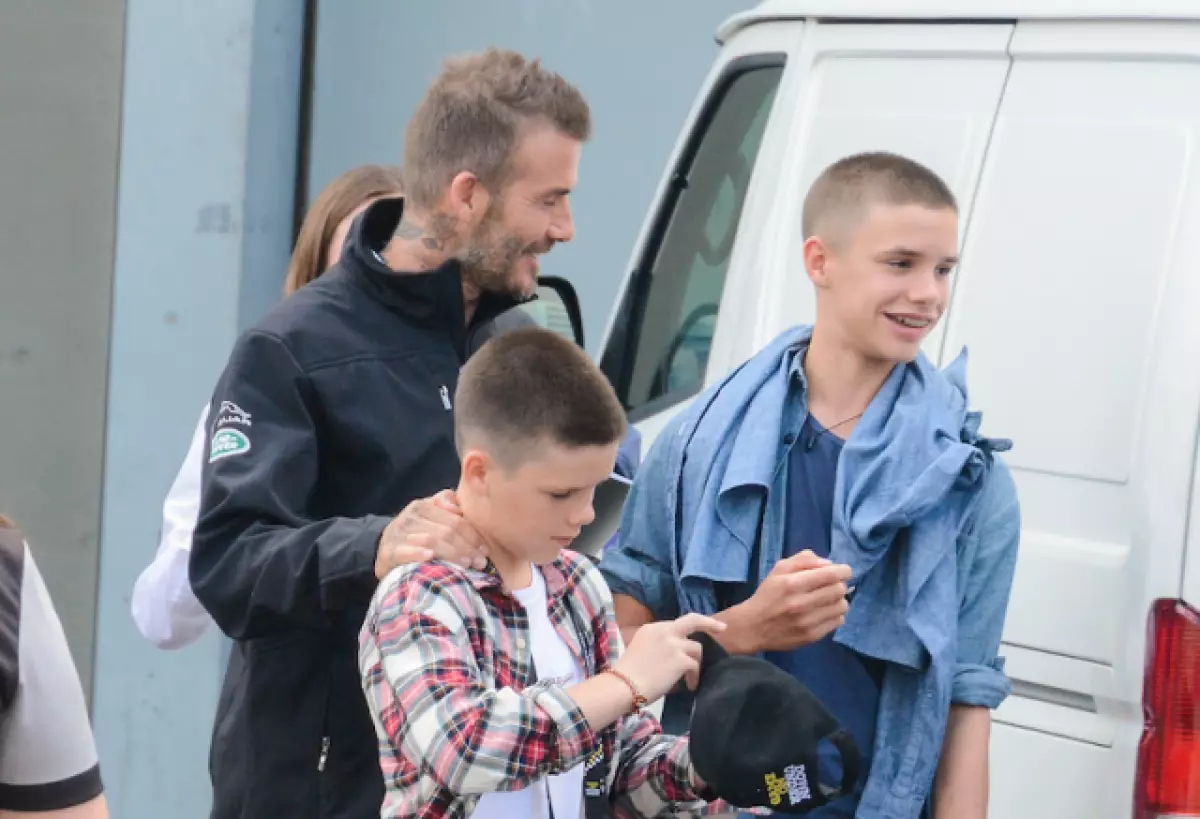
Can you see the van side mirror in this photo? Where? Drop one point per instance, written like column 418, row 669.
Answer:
column 555, row 307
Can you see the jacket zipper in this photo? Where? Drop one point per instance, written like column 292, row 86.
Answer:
column 324, row 755
column 323, row 759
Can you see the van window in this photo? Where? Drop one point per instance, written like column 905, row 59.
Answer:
column 658, row 352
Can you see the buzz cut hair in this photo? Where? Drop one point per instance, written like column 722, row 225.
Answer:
column 474, row 113
column 849, row 186
column 529, row 387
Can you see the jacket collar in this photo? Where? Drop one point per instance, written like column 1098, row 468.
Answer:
column 433, row 298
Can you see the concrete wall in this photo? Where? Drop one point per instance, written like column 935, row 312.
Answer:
column 60, row 91
column 208, row 160
column 640, row 65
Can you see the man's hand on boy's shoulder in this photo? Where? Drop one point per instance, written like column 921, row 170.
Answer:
column 429, row 529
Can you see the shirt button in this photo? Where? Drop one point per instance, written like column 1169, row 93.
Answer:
column 788, row 439
column 521, row 643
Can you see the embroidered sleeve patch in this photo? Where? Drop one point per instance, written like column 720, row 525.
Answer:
column 227, row 439
column 227, row 443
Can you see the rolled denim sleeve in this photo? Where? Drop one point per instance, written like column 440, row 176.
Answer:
column 990, row 552
column 639, row 563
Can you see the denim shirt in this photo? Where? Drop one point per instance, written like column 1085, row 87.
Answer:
column 924, row 513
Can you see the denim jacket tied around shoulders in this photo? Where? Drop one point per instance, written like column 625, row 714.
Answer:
column 925, row 514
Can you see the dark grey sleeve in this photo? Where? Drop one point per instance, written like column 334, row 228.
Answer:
column 47, row 752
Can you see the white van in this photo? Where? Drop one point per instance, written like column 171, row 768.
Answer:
column 1070, row 133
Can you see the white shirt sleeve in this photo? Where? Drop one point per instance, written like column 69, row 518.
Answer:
column 47, row 754
column 166, row 611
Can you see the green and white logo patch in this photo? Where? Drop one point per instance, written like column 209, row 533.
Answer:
column 226, row 443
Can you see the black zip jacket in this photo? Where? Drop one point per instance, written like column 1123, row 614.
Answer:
column 333, row 414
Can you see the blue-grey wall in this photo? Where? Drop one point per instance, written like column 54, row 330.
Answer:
column 207, row 181
column 639, row 63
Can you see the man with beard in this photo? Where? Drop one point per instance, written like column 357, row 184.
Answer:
column 335, row 413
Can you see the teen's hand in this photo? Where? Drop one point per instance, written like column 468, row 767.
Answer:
column 661, row 654
column 428, row 529
column 800, row 601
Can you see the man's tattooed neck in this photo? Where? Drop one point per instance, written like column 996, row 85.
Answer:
column 411, row 232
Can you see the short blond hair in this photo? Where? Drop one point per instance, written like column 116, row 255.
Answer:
column 473, row 115
column 847, row 186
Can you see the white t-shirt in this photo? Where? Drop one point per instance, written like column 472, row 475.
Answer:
column 555, row 662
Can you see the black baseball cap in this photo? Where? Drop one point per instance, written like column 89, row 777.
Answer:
column 755, row 732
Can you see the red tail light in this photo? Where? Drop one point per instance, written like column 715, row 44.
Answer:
column 1168, row 775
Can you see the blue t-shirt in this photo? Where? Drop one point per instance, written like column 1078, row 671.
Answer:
column 845, row 681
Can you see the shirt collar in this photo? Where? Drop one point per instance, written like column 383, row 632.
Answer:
column 795, row 368
column 556, row 574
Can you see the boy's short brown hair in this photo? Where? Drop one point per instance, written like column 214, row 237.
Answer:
column 848, row 186
column 473, row 114
column 532, row 386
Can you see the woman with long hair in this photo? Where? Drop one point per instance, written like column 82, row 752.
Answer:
column 164, row 608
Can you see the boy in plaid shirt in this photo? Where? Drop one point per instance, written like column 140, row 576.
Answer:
column 506, row 692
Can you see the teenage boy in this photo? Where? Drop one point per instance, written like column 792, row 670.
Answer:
column 832, row 502
column 505, row 692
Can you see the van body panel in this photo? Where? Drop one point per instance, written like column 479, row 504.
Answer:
column 1062, row 783
column 957, row 10
column 1190, row 591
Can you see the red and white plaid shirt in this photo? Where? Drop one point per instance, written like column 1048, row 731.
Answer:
column 446, row 664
